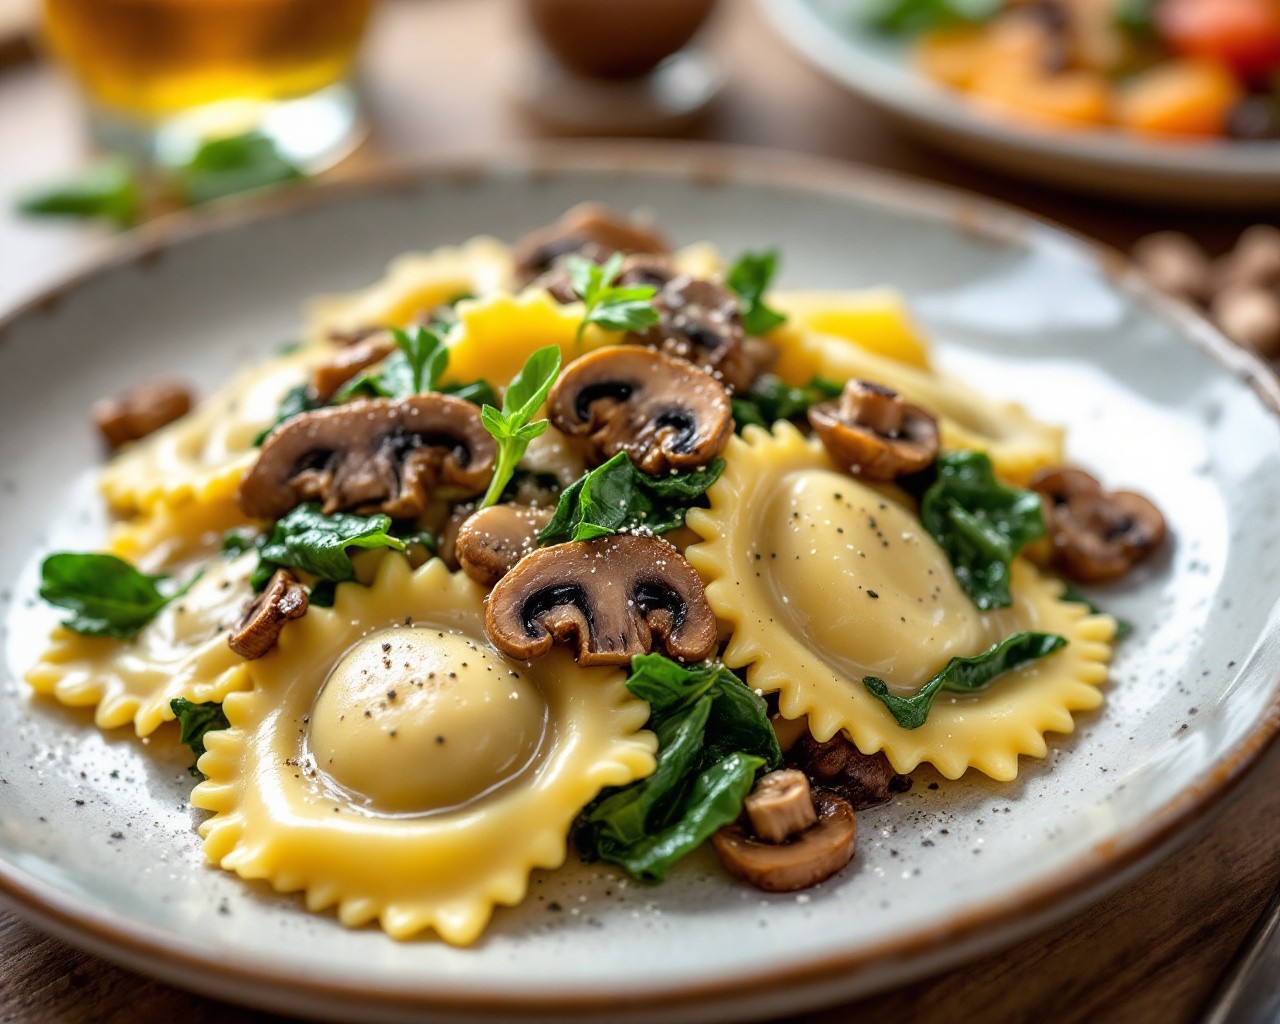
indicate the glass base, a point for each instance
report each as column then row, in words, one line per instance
column 312, row 132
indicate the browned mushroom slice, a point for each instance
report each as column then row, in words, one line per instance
column 140, row 411
column 1096, row 535
column 490, row 542
column 589, row 229
column 614, row 598
column 871, row 431
column 328, row 377
column 663, row 412
column 802, row 857
column 283, row 599
column 375, row 455
column 700, row 321
column 864, row 780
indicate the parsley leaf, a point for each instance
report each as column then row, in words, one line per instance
column 771, row 399
column 106, row 188
column 980, row 523
column 616, row 496
column 477, row 392
column 750, row 278
column 106, row 595
column 614, row 309
column 196, row 720
column 236, row 163
column 308, row 540
column 416, row 366
column 965, row 675
column 511, row 427
column 713, row 737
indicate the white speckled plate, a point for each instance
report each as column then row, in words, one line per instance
column 1209, row 173
column 96, row 839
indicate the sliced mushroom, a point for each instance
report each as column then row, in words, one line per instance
column 780, row 806
column 589, row 229
column 140, row 411
column 490, row 542
column 284, row 598
column 1096, row 535
column 871, row 431
column 803, row 859
column 375, row 455
column 700, row 321
column 614, row 598
column 328, row 377
column 666, row 414
column 864, row 780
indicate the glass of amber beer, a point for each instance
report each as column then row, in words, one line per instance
column 164, row 75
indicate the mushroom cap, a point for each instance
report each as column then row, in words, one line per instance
column 873, row 432
column 700, row 321
column 590, row 229
column 809, row 858
column 374, row 455
column 864, row 780
column 141, row 410
column 490, row 542
column 282, row 599
column 665, row 413
column 614, row 597
column 1096, row 535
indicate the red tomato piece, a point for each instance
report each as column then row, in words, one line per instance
column 1242, row 34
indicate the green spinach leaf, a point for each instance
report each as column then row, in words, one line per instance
column 771, row 399
column 195, row 721
column 713, row 737
column 750, row 278
column 965, row 675
column 308, row 540
column 415, row 367
column 477, row 392
column 616, row 496
column 106, row 595
column 914, row 17
column 980, row 523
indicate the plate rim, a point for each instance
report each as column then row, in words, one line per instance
column 148, row 949
column 812, row 38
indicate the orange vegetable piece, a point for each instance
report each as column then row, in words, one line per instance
column 953, row 56
column 1179, row 97
column 1069, row 98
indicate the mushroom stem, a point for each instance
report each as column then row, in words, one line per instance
column 780, row 806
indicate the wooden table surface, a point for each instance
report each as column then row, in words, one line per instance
column 1152, row 951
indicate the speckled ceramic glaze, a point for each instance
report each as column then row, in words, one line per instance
column 1211, row 172
column 97, row 841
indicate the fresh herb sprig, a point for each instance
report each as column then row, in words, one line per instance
column 714, row 736
column 616, row 496
column 965, row 675
column 511, row 426
column 196, row 720
column 415, row 367
column 627, row 308
column 749, row 277
column 980, row 523
column 106, row 595
column 106, row 188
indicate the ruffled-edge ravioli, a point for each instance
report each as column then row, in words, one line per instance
column 183, row 651
column 328, row 771
column 415, row 283
column 824, row 580
column 1017, row 444
column 202, row 456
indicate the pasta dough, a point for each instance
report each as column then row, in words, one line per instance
column 385, row 730
column 824, row 580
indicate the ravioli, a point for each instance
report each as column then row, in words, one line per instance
column 824, row 580
column 874, row 319
column 1017, row 444
column 386, row 731
column 202, row 456
column 416, row 283
column 183, row 651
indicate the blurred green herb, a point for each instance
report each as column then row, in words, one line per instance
column 106, row 188
column 913, row 17
column 750, row 278
column 226, row 166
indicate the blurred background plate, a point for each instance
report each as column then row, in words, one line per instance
column 97, row 840
column 1223, row 174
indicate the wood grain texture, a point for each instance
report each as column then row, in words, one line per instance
column 1150, row 952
